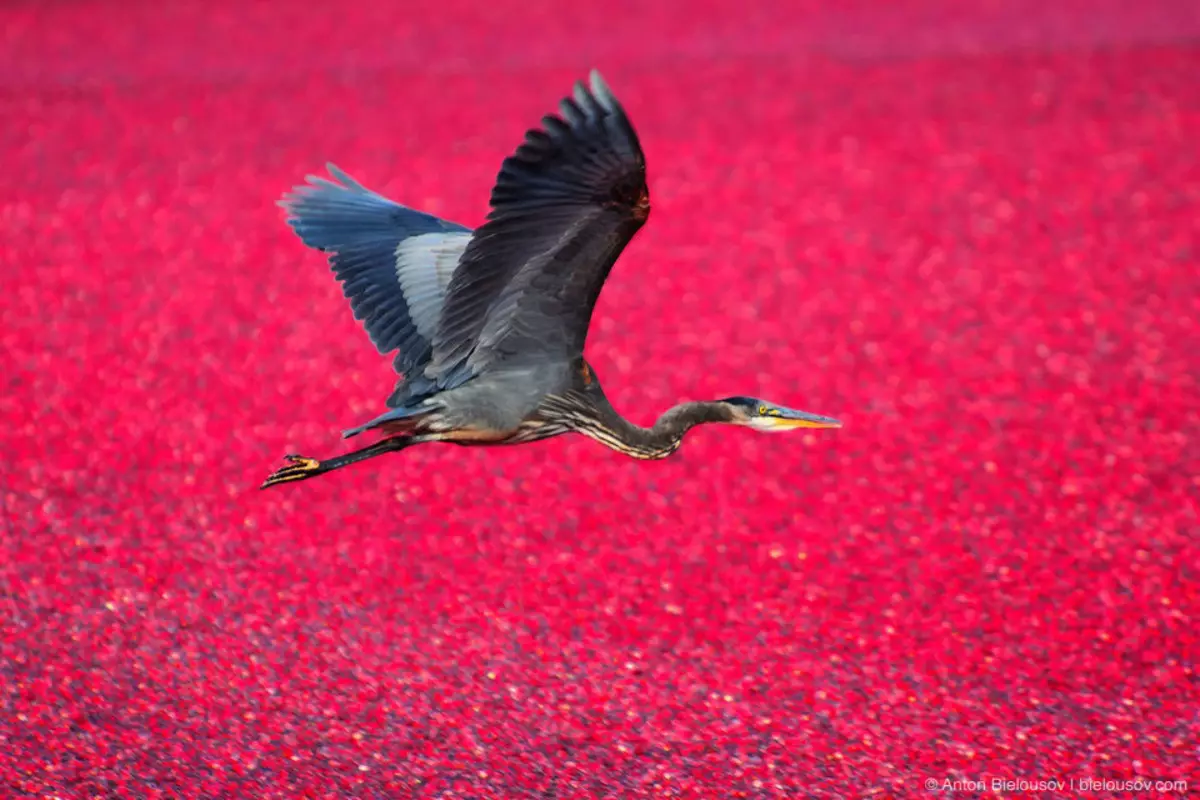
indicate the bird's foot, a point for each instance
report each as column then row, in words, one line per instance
column 298, row 468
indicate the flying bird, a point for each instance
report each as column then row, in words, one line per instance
column 489, row 325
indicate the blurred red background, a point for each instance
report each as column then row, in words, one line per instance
column 967, row 230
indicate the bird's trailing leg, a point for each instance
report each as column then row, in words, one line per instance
column 301, row 468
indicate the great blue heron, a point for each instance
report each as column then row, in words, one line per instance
column 490, row 324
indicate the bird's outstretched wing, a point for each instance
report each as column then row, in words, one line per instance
column 394, row 262
column 564, row 206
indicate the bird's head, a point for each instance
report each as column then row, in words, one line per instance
column 763, row 416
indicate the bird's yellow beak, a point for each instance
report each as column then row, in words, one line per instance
column 787, row 419
column 790, row 420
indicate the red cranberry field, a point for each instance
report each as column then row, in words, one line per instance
column 969, row 231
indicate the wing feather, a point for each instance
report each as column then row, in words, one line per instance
column 394, row 262
column 565, row 205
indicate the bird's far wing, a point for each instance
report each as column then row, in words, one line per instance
column 394, row 263
column 564, row 206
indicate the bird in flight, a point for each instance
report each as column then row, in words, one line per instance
column 489, row 325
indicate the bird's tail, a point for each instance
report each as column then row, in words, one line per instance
column 397, row 420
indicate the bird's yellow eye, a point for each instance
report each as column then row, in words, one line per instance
column 762, row 411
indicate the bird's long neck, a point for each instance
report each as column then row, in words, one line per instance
column 661, row 440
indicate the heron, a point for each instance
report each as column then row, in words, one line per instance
column 488, row 325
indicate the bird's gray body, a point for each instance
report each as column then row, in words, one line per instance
column 495, row 407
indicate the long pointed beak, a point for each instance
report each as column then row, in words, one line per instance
column 789, row 419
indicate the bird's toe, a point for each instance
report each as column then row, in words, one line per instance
column 299, row 467
column 303, row 462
